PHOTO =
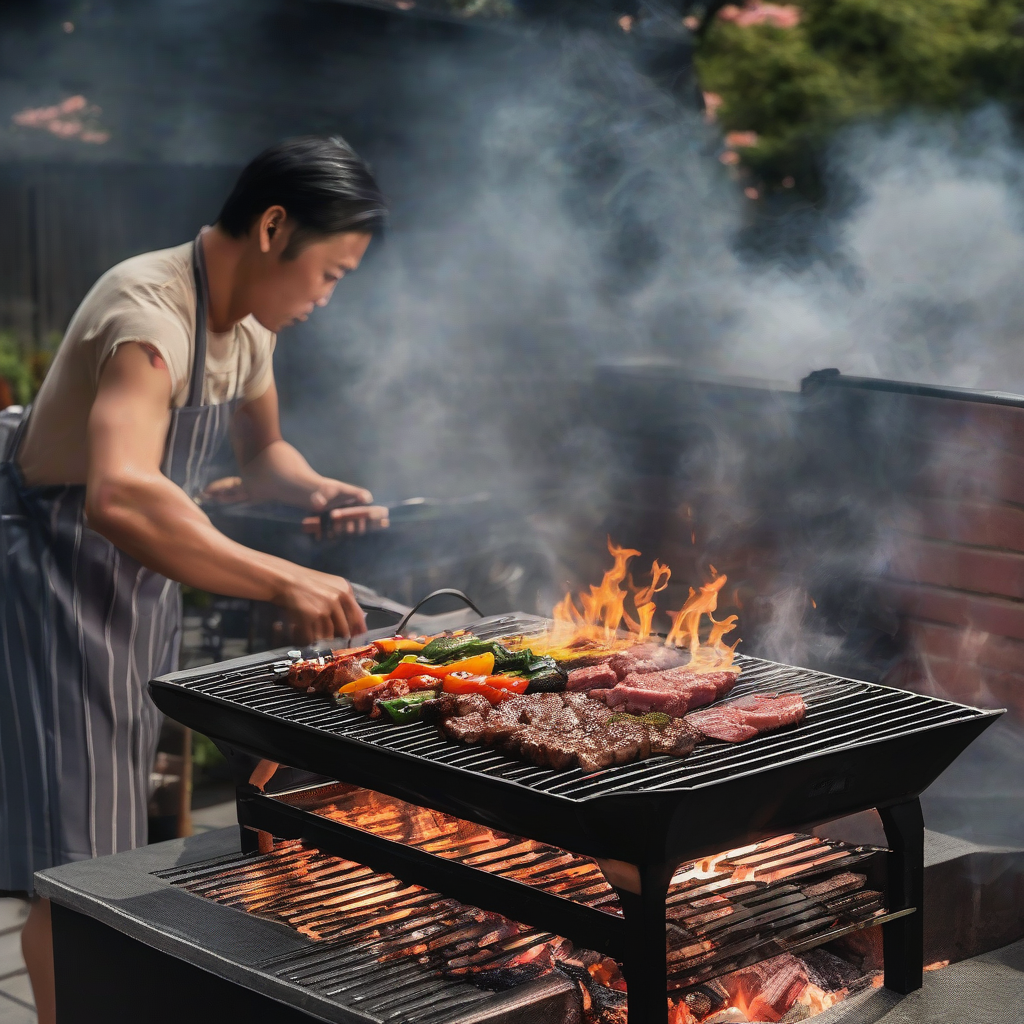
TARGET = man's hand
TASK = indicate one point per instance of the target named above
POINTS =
(320, 606)
(348, 510)
(226, 491)
(335, 494)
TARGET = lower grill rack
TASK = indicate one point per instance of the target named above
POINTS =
(376, 936)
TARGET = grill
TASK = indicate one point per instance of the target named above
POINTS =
(860, 746)
(369, 928)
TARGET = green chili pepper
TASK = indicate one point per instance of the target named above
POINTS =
(408, 708)
(446, 648)
(387, 665)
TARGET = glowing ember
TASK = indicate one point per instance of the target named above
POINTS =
(617, 614)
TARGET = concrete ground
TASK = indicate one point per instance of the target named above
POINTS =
(16, 1005)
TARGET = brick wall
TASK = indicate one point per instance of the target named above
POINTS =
(956, 574)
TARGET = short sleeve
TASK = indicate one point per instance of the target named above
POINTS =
(137, 318)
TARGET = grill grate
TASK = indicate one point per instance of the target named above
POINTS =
(841, 714)
(577, 878)
(385, 944)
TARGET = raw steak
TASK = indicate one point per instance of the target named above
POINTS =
(749, 717)
(673, 691)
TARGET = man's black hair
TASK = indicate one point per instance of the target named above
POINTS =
(321, 183)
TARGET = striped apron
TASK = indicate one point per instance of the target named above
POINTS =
(83, 628)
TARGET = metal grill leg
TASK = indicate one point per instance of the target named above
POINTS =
(903, 939)
(645, 964)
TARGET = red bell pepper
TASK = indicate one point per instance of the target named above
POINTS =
(479, 665)
(512, 683)
(474, 684)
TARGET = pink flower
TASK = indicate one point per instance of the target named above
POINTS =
(757, 13)
(60, 120)
(741, 140)
(712, 101)
(64, 129)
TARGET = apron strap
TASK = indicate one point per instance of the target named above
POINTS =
(195, 388)
(9, 447)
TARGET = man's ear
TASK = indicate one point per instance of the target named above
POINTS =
(269, 226)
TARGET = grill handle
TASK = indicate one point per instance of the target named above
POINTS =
(445, 592)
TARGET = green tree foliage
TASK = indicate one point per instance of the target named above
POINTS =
(15, 371)
(854, 59)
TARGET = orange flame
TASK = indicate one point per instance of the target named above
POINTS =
(617, 614)
(714, 653)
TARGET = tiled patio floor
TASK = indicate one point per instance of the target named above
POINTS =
(16, 1005)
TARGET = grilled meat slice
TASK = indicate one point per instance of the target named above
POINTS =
(302, 673)
(646, 658)
(749, 717)
(447, 705)
(678, 738)
(583, 679)
(364, 700)
(672, 691)
(467, 728)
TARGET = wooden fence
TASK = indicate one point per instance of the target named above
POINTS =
(61, 227)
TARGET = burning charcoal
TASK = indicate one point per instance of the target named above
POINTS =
(706, 999)
(828, 971)
(769, 988)
(731, 1015)
(609, 1006)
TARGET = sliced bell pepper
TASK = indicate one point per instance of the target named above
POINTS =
(417, 683)
(474, 684)
(400, 643)
(408, 708)
(481, 665)
(510, 683)
(362, 684)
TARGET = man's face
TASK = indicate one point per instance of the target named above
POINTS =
(287, 290)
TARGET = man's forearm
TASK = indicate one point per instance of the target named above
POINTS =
(280, 473)
(154, 521)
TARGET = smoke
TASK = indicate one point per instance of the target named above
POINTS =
(593, 222)
(932, 252)
(583, 215)
(555, 210)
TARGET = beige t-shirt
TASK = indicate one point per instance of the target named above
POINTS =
(148, 298)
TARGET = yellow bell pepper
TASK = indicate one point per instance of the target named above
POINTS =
(362, 684)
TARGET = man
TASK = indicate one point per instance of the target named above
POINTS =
(168, 353)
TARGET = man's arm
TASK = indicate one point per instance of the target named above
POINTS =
(137, 508)
(272, 470)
